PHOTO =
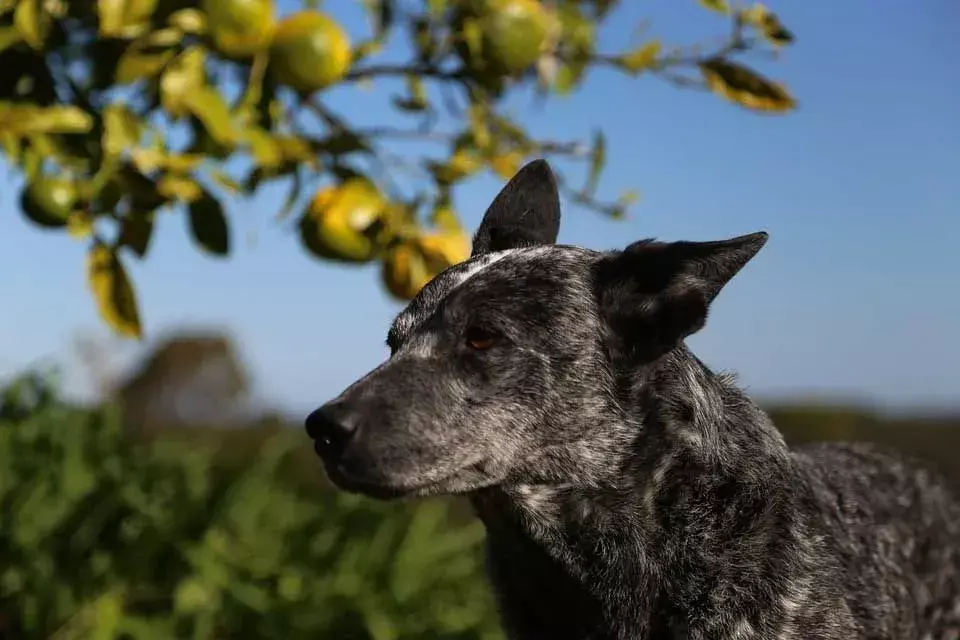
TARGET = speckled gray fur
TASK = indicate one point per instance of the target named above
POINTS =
(629, 492)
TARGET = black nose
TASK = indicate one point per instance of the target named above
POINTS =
(330, 426)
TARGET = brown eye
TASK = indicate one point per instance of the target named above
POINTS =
(480, 340)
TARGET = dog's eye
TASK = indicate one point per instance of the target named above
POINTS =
(480, 339)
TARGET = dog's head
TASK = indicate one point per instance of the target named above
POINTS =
(515, 351)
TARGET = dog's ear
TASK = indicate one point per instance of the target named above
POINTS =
(524, 214)
(654, 294)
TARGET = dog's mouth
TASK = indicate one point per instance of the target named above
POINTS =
(463, 480)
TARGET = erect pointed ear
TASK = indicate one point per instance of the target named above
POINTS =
(525, 213)
(654, 294)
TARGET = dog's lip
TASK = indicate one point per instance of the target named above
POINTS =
(380, 490)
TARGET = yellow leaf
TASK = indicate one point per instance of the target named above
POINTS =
(24, 120)
(111, 288)
(32, 22)
(211, 109)
(767, 23)
(189, 21)
(121, 129)
(79, 225)
(641, 58)
(745, 87)
(720, 6)
(124, 18)
(182, 80)
(135, 65)
(180, 188)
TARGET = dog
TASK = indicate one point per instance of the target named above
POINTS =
(629, 492)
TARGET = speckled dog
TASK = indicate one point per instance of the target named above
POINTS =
(628, 491)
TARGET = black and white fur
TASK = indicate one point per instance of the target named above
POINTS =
(628, 491)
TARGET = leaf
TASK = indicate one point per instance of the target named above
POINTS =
(136, 231)
(189, 21)
(264, 149)
(9, 36)
(124, 18)
(182, 188)
(598, 159)
(122, 129)
(745, 87)
(641, 58)
(79, 225)
(228, 183)
(767, 23)
(32, 22)
(112, 291)
(212, 110)
(146, 57)
(136, 65)
(720, 6)
(182, 80)
(208, 225)
(24, 120)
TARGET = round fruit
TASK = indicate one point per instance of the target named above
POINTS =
(343, 222)
(513, 33)
(48, 202)
(310, 51)
(240, 28)
(405, 272)
(443, 249)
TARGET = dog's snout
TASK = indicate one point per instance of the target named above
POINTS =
(330, 426)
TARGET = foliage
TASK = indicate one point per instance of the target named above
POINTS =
(118, 111)
(105, 538)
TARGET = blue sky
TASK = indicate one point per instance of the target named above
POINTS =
(854, 296)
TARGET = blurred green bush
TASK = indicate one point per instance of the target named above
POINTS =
(104, 537)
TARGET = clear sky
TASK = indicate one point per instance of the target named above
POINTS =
(855, 295)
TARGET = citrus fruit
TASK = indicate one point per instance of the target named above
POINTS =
(443, 249)
(344, 222)
(513, 33)
(405, 272)
(48, 202)
(240, 28)
(310, 51)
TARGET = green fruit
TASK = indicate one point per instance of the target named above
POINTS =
(513, 33)
(310, 52)
(240, 28)
(48, 202)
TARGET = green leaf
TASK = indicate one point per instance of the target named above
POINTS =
(598, 159)
(9, 36)
(114, 294)
(136, 231)
(208, 225)
(33, 22)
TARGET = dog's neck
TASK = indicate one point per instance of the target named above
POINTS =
(685, 457)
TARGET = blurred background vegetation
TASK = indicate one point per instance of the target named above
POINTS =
(176, 502)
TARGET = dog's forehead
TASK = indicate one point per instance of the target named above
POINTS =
(430, 297)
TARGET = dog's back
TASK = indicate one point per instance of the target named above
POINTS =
(894, 526)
